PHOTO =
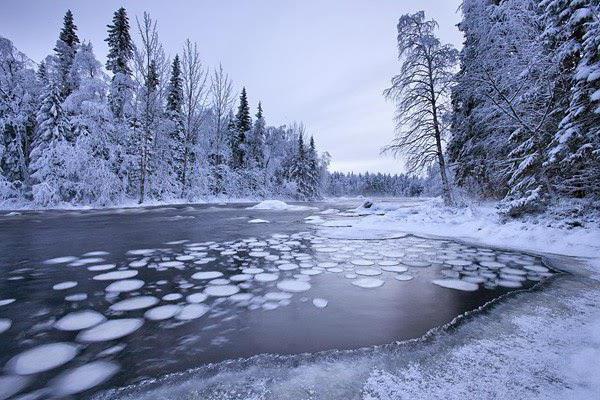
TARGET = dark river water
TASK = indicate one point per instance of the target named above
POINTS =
(91, 300)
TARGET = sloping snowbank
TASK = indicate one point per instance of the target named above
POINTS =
(479, 224)
(277, 205)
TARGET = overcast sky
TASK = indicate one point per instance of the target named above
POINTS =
(322, 62)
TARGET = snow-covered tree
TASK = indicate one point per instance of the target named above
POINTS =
(195, 95)
(573, 33)
(300, 171)
(146, 141)
(174, 115)
(255, 143)
(223, 133)
(243, 124)
(120, 54)
(50, 150)
(66, 48)
(18, 107)
(421, 92)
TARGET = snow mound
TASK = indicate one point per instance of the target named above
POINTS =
(5, 324)
(456, 284)
(368, 283)
(192, 311)
(258, 221)
(115, 275)
(196, 298)
(64, 285)
(320, 303)
(266, 277)
(207, 275)
(126, 285)
(42, 358)
(162, 312)
(276, 205)
(110, 330)
(83, 378)
(294, 286)
(134, 303)
(221, 291)
(79, 320)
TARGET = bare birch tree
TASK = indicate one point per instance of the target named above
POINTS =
(150, 62)
(222, 100)
(422, 95)
(195, 93)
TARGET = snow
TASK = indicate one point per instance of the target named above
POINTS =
(362, 263)
(134, 303)
(115, 275)
(125, 285)
(5, 302)
(204, 275)
(277, 296)
(161, 313)
(258, 221)
(456, 284)
(110, 330)
(368, 271)
(277, 205)
(82, 378)
(319, 303)
(287, 267)
(5, 324)
(266, 277)
(79, 320)
(240, 277)
(172, 296)
(293, 286)
(101, 267)
(60, 260)
(196, 298)
(192, 311)
(12, 384)
(76, 297)
(42, 358)
(64, 285)
(96, 253)
(368, 283)
(395, 269)
(221, 291)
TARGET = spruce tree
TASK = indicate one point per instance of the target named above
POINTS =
(120, 54)
(46, 159)
(66, 47)
(256, 141)
(120, 46)
(175, 117)
(243, 123)
(299, 171)
(313, 172)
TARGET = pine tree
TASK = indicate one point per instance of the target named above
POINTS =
(243, 123)
(175, 117)
(120, 54)
(66, 47)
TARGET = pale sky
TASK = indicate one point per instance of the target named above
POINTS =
(322, 62)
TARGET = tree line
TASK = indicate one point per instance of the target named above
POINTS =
(143, 128)
(515, 115)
